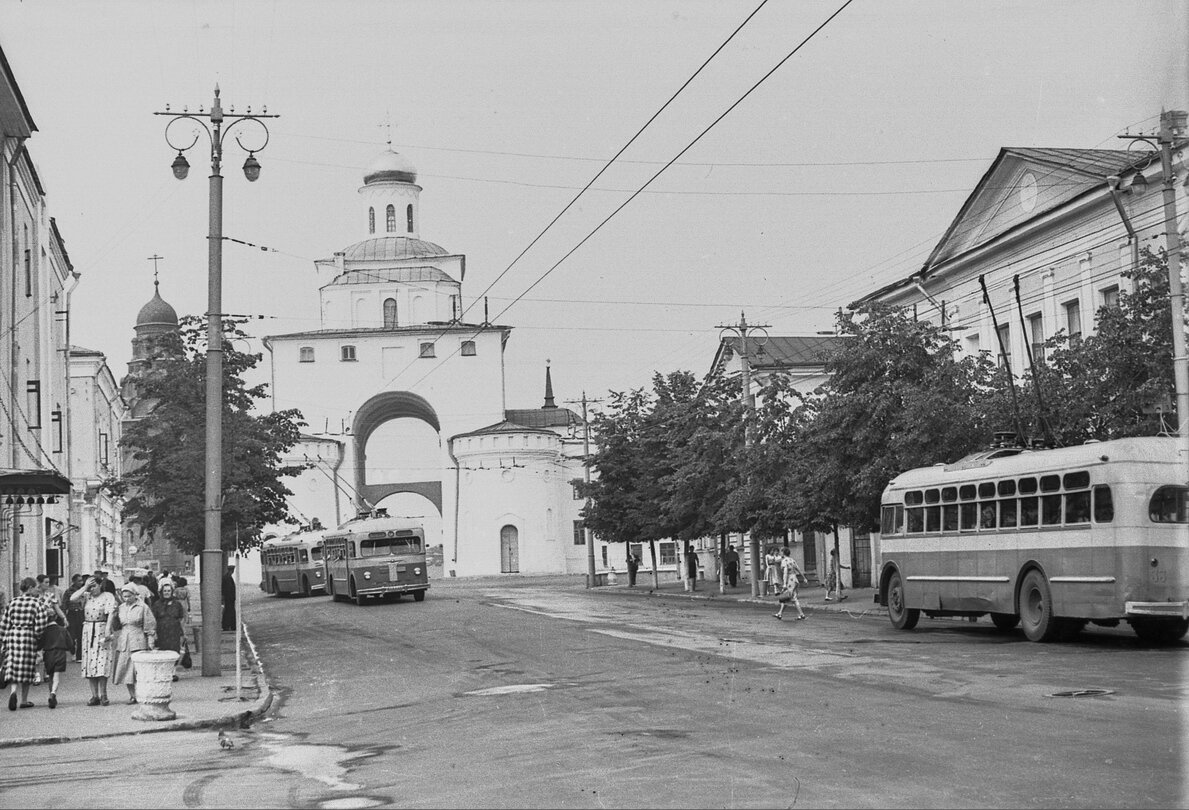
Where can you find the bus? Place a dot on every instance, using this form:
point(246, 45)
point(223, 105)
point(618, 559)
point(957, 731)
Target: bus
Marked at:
point(1050, 539)
point(293, 564)
point(376, 555)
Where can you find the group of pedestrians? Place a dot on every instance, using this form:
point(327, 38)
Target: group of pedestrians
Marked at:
point(96, 623)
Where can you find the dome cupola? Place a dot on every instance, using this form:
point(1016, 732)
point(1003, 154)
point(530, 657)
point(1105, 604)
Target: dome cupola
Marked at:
point(389, 196)
point(392, 166)
point(157, 312)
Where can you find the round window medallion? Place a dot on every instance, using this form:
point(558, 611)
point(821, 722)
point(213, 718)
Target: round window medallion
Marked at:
point(1028, 191)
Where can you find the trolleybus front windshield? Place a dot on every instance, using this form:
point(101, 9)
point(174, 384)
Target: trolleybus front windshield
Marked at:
point(387, 546)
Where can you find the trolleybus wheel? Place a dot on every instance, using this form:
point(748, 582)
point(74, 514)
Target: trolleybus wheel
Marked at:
point(275, 589)
point(356, 595)
point(418, 596)
point(305, 586)
point(334, 597)
point(903, 618)
point(1004, 621)
point(1160, 631)
point(1036, 608)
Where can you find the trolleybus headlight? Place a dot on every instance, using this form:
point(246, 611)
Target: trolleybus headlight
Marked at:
point(318, 573)
point(416, 570)
point(367, 574)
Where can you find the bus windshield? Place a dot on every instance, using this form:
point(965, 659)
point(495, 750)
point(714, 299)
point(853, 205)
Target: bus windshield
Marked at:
point(383, 546)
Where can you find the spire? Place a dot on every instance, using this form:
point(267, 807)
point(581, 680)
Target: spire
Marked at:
point(549, 403)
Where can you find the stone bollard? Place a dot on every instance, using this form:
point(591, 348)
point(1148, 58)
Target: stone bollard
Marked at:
point(154, 684)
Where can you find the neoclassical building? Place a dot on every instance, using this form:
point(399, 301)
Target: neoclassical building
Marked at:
point(493, 483)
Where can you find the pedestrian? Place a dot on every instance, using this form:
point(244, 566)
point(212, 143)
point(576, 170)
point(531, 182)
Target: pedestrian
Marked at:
point(229, 617)
point(731, 561)
point(170, 615)
point(74, 615)
point(131, 628)
point(98, 605)
point(56, 645)
point(182, 592)
point(792, 572)
point(142, 590)
point(633, 567)
point(772, 575)
point(691, 568)
point(48, 592)
point(150, 581)
point(25, 618)
point(834, 578)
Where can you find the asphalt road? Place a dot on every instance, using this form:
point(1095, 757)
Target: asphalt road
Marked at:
point(536, 693)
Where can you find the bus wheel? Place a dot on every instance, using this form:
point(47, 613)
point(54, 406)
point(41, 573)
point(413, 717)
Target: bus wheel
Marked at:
point(305, 586)
point(275, 589)
point(1160, 631)
point(1005, 621)
point(1036, 608)
point(418, 596)
point(334, 597)
point(903, 618)
point(356, 595)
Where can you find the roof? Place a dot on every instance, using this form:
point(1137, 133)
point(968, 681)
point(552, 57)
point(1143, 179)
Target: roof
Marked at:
point(157, 311)
point(386, 248)
point(432, 328)
point(15, 119)
point(420, 273)
point(543, 417)
point(33, 482)
point(390, 165)
point(785, 352)
point(503, 427)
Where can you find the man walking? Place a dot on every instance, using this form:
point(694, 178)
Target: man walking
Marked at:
point(731, 562)
point(229, 617)
point(691, 568)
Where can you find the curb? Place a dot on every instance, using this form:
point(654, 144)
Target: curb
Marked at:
point(234, 720)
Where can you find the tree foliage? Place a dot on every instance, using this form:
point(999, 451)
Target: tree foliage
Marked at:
point(164, 489)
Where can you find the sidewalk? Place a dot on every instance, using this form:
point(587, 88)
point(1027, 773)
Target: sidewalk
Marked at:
point(199, 703)
point(859, 601)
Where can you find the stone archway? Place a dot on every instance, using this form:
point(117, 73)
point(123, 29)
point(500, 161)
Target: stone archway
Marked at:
point(372, 414)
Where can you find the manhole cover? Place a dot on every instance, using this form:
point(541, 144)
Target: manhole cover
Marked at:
point(1083, 693)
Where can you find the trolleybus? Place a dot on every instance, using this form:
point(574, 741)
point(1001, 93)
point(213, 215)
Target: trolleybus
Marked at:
point(293, 564)
point(376, 555)
point(1050, 539)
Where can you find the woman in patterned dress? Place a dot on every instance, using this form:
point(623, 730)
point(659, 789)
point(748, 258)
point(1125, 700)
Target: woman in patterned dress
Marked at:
point(24, 620)
point(98, 605)
point(131, 628)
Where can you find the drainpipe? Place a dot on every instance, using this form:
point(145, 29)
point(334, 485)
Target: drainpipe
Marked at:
point(457, 481)
point(1112, 184)
point(338, 520)
point(66, 447)
point(940, 305)
point(14, 529)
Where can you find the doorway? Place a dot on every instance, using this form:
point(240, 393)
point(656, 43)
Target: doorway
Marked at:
point(509, 550)
point(860, 560)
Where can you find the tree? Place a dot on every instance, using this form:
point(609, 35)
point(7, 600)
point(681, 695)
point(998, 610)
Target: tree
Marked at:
point(1109, 384)
point(164, 490)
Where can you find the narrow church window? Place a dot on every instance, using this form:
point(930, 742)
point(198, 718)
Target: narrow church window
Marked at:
point(391, 224)
point(348, 354)
point(371, 220)
point(427, 350)
point(389, 313)
point(409, 217)
point(306, 354)
point(468, 348)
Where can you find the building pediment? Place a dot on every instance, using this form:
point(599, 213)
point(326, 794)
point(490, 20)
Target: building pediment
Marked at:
point(1024, 185)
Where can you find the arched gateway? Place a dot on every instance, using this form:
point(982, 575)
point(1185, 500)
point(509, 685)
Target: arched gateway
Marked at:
point(372, 414)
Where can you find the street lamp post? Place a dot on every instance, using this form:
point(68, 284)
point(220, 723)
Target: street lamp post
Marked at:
point(744, 330)
point(212, 550)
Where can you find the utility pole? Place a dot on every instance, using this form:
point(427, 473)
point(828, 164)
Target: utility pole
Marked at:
point(586, 533)
point(743, 331)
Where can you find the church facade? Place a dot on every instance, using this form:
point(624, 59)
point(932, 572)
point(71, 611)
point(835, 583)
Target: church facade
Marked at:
point(405, 403)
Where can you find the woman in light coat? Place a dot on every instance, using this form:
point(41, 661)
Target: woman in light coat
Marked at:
point(131, 628)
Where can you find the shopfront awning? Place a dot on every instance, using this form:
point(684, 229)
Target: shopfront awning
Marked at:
point(26, 486)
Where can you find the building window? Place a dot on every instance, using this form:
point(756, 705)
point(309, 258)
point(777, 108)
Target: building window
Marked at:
point(391, 219)
point(56, 426)
point(1110, 297)
point(371, 219)
point(305, 354)
point(468, 348)
point(668, 553)
point(579, 533)
point(33, 401)
point(1005, 347)
point(577, 494)
point(1073, 319)
point(409, 217)
point(427, 350)
point(389, 313)
point(103, 448)
point(1036, 336)
point(347, 354)
point(28, 273)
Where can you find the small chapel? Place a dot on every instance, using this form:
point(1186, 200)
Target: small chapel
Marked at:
point(404, 401)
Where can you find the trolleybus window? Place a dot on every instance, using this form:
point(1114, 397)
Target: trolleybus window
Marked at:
point(385, 546)
point(1168, 505)
point(1104, 506)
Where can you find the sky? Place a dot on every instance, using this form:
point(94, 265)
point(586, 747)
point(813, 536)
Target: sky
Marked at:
point(799, 184)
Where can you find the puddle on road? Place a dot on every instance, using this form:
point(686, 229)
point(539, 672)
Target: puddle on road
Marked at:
point(322, 763)
point(514, 689)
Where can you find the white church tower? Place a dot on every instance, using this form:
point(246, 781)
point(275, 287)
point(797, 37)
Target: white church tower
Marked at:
point(405, 400)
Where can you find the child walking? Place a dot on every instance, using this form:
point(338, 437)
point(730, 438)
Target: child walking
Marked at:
point(56, 646)
point(792, 572)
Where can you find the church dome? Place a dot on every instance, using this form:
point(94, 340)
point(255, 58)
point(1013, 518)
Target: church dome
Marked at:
point(389, 165)
point(391, 247)
point(157, 312)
